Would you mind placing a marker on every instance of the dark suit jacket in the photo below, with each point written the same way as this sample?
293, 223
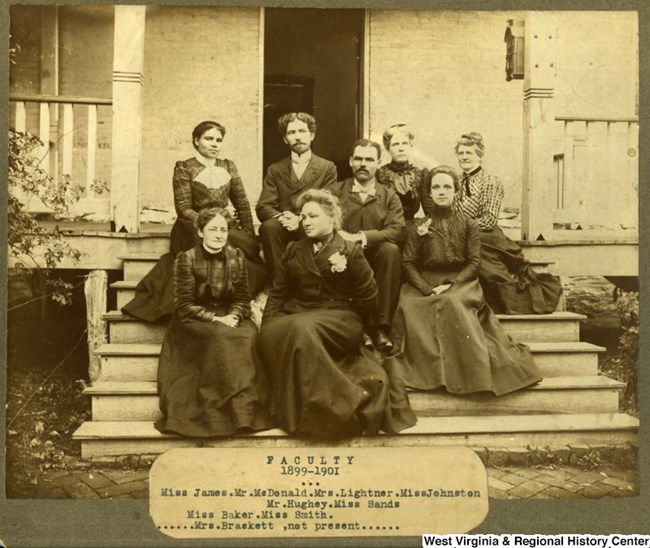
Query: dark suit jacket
380, 217
305, 281
199, 276
281, 187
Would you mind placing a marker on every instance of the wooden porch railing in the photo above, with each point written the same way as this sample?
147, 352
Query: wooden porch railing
48, 118
596, 163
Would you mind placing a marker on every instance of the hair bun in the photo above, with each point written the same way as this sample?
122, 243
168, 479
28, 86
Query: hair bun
473, 136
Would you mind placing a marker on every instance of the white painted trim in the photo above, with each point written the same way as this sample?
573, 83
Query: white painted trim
91, 151
67, 138
44, 136
20, 117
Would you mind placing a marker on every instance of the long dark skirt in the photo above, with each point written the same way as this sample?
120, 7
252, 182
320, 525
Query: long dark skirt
154, 294
453, 340
510, 285
210, 380
321, 384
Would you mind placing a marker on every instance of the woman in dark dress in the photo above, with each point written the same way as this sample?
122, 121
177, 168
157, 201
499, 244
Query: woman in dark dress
510, 285
311, 332
209, 376
204, 180
444, 331
400, 175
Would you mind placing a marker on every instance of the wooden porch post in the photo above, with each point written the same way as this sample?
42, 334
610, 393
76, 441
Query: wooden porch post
539, 122
128, 59
96, 292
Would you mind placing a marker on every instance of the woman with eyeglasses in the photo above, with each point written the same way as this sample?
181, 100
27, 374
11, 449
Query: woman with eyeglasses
400, 174
210, 378
204, 180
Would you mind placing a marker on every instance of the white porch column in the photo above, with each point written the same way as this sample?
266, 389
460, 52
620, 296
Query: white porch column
539, 185
128, 60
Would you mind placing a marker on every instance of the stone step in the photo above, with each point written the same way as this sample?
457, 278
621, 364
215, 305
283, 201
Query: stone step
555, 327
136, 266
124, 291
138, 401
520, 431
129, 362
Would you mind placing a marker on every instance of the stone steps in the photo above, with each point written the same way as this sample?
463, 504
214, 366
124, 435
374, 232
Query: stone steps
555, 327
138, 401
138, 264
571, 406
136, 362
516, 431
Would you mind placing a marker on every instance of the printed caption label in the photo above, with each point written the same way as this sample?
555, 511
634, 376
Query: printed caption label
535, 541
317, 492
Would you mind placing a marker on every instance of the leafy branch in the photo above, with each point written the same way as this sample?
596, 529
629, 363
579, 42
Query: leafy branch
32, 246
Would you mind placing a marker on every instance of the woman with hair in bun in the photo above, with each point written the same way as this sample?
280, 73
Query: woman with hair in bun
510, 285
204, 180
324, 384
400, 174
209, 376
444, 332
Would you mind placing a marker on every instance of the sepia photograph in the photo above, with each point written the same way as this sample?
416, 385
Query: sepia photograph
336, 273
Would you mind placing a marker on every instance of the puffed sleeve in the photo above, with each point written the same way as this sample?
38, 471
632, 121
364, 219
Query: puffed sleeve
237, 195
241, 304
410, 261
490, 202
184, 292
183, 192
473, 252
282, 286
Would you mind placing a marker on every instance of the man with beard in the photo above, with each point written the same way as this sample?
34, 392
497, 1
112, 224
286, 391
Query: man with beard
373, 218
285, 181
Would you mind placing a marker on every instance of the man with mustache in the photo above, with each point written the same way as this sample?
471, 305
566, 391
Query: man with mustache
373, 217
285, 181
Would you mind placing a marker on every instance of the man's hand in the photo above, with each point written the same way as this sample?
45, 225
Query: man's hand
354, 238
289, 221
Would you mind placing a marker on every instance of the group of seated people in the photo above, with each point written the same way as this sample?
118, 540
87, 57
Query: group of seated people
367, 299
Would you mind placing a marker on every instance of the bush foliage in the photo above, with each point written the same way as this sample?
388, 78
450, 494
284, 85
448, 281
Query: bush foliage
32, 246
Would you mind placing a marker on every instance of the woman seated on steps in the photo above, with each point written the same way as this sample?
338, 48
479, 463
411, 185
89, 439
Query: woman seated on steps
205, 180
209, 376
324, 383
509, 284
444, 332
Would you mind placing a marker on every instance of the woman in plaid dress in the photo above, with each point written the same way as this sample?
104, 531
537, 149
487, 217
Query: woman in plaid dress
509, 284
205, 180
210, 379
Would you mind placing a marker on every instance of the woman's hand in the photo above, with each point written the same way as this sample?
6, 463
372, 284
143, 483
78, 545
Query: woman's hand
231, 320
440, 289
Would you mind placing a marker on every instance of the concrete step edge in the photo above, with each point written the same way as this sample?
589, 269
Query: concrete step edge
109, 388
117, 316
426, 425
143, 349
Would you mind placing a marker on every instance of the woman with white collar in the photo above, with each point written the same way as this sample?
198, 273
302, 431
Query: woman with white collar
202, 181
